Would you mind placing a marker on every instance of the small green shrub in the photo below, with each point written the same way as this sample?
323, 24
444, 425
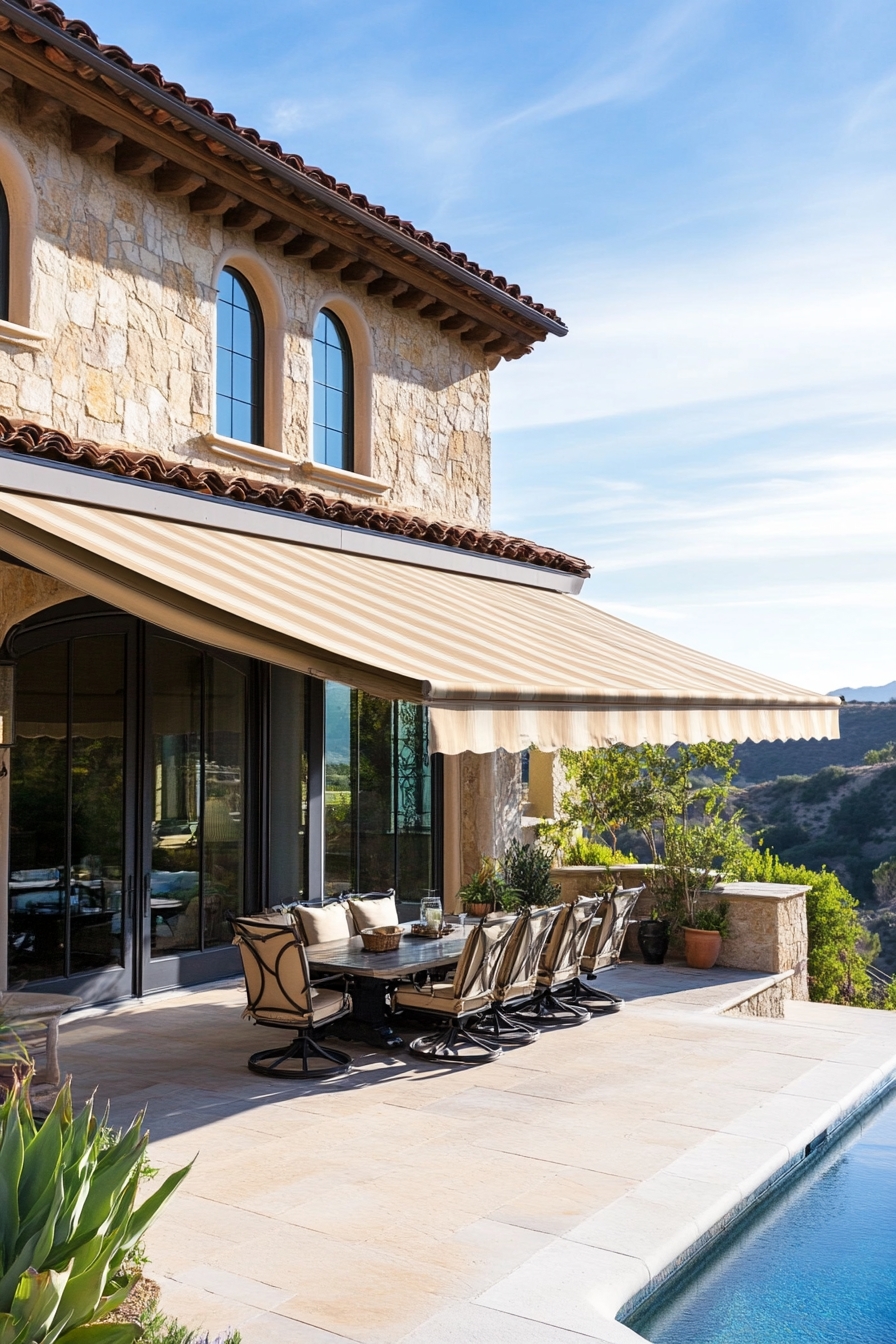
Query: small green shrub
838, 973
527, 872
714, 917
161, 1329
821, 786
592, 854
68, 1222
886, 753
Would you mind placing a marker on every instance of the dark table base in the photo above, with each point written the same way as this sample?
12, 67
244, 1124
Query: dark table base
368, 1021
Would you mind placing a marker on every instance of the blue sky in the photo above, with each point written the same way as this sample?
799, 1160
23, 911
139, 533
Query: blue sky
706, 191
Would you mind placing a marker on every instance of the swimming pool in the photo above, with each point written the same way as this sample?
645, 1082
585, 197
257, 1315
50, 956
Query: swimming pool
817, 1267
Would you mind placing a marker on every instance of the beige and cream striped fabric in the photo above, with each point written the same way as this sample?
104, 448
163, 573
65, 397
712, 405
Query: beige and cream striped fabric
499, 664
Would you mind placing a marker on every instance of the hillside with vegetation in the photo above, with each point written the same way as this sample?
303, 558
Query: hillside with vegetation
862, 728
842, 818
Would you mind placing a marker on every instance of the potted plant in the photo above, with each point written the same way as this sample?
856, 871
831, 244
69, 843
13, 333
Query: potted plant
703, 940
653, 938
526, 871
486, 891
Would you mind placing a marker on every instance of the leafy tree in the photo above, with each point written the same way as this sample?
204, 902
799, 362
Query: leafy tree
607, 792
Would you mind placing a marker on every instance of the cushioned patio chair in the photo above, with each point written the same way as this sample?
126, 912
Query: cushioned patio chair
560, 965
281, 993
464, 996
515, 978
603, 948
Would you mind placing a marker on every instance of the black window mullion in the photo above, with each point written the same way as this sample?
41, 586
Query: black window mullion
200, 819
69, 799
395, 723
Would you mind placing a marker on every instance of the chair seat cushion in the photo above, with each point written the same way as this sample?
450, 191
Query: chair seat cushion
373, 913
523, 989
325, 923
325, 1003
437, 998
547, 980
597, 963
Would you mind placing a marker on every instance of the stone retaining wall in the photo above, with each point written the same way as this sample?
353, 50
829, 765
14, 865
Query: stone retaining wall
768, 920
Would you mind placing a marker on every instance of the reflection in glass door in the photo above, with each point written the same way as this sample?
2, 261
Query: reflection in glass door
67, 814
378, 798
198, 771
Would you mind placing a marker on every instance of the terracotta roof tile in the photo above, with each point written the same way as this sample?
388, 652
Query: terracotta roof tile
35, 441
84, 34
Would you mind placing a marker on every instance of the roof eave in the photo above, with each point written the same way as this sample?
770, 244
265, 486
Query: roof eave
298, 182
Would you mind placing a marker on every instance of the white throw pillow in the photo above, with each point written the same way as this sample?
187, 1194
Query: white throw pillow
373, 914
326, 923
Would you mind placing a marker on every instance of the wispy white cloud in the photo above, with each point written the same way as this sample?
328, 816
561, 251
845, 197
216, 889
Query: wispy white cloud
646, 63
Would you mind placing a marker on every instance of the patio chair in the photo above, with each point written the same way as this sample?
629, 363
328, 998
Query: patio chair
281, 993
604, 948
515, 978
459, 999
560, 963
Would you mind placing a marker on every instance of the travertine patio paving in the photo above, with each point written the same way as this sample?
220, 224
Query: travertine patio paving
523, 1201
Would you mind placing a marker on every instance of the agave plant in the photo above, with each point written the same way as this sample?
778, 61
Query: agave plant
68, 1222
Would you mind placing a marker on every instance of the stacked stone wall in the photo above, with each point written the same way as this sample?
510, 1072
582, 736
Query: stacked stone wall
124, 284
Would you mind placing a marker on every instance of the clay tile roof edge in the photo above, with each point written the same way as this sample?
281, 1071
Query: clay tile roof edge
48, 22
27, 439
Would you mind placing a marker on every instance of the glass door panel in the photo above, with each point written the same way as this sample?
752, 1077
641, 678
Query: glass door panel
67, 817
38, 806
97, 792
176, 710
223, 857
198, 821
378, 808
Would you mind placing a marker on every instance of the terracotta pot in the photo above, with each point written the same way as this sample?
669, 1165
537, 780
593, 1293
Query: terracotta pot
478, 911
702, 948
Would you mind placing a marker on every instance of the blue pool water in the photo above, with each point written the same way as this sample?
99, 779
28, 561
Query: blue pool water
817, 1267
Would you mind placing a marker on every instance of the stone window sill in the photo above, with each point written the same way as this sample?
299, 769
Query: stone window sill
21, 338
338, 479
253, 453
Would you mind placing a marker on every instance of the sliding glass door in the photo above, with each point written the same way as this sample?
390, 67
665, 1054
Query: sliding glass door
378, 796
70, 882
196, 806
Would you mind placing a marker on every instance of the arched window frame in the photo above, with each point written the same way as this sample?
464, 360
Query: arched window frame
256, 356
354, 320
5, 255
269, 453
325, 392
20, 233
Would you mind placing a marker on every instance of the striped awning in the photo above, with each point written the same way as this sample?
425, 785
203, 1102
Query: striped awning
499, 664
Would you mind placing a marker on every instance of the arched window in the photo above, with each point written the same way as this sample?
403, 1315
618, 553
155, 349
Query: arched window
240, 361
333, 389
4, 256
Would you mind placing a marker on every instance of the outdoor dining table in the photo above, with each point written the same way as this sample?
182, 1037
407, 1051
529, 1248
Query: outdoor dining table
372, 973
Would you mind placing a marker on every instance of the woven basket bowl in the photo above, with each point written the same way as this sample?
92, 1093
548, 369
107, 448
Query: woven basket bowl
384, 939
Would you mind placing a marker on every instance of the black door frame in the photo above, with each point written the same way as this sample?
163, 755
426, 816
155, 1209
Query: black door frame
65, 623
201, 966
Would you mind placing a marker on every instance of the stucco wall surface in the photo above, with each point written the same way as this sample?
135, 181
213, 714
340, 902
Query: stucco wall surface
124, 284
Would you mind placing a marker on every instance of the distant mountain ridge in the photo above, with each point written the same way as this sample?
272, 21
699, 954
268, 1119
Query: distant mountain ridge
876, 694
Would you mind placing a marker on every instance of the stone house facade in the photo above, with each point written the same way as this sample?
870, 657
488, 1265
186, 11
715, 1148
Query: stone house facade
127, 205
